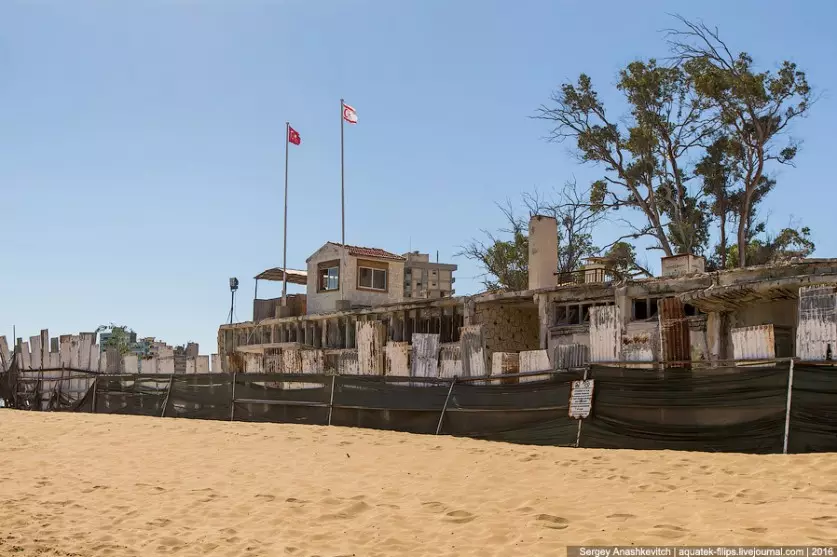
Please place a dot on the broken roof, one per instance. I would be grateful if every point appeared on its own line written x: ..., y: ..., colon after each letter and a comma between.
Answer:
x: 294, y: 276
x: 378, y: 253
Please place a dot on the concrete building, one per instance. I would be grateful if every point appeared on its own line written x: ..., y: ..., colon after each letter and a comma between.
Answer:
x: 425, y: 279
x: 343, y: 277
x: 684, y: 317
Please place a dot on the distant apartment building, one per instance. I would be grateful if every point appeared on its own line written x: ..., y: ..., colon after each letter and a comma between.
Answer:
x: 424, y: 279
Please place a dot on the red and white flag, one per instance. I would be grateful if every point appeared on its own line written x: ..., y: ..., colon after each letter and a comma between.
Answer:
x: 349, y: 114
x: 293, y: 136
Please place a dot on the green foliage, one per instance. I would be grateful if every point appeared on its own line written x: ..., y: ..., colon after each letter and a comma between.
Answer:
x: 120, y: 338
x: 789, y: 243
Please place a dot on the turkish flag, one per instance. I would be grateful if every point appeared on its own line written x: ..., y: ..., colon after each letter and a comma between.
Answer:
x: 293, y: 136
x: 349, y: 114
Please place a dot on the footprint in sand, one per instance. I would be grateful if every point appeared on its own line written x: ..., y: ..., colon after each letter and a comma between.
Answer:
x: 553, y: 522
x: 757, y: 529
x: 434, y: 506
x: 266, y: 497
x: 669, y: 531
x: 459, y: 517
x: 620, y: 517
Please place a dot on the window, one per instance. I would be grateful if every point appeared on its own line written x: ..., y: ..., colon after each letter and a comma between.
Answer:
x: 328, y: 276
x: 644, y: 308
x: 373, y: 279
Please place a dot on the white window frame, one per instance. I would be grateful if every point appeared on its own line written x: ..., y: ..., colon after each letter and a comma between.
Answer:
x: 372, y: 276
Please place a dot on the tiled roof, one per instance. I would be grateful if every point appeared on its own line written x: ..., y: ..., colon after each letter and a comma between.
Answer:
x: 378, y: 253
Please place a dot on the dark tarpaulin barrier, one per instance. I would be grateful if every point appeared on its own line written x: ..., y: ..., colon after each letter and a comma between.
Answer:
x: 282, y: 398
x: 141, y: 395
x: 813, y: 422
x: 736, y: 409
x: 201, y: 396
x: 733, y: 409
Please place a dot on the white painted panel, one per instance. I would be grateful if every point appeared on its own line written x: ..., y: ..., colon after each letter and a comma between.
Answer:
x: 54, y: 360
x: 753, y: 343
x: 312, y: 361
x: 816, y: 332
x: 93, y: 364
x: 347, y: 363
x: 605, y: 334
x: 217, y: 366
x: 65, y: 348
x: 103, y: 362
x: 130, y: 364
x: 85, y: 342
x: 397, y: 358
x: 450, y: 360
x: 472, y: 341
x: 370, y: 337
x: 425, y: 351
x: 190, y: 366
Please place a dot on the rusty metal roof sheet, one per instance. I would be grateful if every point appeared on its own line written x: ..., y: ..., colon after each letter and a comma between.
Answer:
x: 294, y: 276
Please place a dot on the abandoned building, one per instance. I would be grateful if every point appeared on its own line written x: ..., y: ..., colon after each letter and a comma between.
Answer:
x: 686, y: 315
x: 426, y: 279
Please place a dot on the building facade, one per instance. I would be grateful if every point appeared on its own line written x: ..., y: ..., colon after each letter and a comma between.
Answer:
x: 343, y: 277
x: 425, y: 279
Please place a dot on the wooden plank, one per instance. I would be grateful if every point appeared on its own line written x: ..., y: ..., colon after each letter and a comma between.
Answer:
x: 74, y: 346
x: 95, y: 354
x: 370, y: 347
x: 37, y: 354
x: 675, y: 343
x: 571, y: 356
x: 103, y: 362
x: 65, y: 349
x: 425, y: 355
x: 86, y: 340
x: 25, y: 361
x: 397, y: 358
x: 450, y: 360
x: 165, y: 366
x: 45, y: 358
x: 130, y: 363
x: 191, y: 366
x: 5, y: 355
x: 147, y: 365
x: 753, y: 343
x: 202, y: 364
x: 54, y: 360
x: 472, y: 341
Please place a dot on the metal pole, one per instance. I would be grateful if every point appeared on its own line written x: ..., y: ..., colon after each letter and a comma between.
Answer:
x: 445, y: 407
x: 342, y: 200
x: 232, y: 399
x: 788, y: 408
x: 285, y: 233
x: 95, y: 383
x: 331, y: 400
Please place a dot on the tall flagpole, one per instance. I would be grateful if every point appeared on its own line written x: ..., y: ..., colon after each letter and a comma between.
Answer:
x: 285, y: 234
x: 342, y: 195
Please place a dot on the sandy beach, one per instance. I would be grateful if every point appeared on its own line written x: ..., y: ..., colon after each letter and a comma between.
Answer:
x: 95, y: 485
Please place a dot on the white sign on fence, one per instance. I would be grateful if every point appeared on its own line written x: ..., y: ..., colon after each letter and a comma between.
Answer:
x: 581, y: 399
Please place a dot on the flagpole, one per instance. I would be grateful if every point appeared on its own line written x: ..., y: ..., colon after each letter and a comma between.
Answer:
x: 285, y: 233
x: 342, y: 195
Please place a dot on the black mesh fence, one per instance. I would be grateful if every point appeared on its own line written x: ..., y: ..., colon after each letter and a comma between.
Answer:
x: 731, y: 409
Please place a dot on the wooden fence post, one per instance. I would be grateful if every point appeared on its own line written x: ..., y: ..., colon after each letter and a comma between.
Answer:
x: 445, y: 407
x: 95, y: 384
x: 331, y: 400
x: 168, y: 394
x: 788, y: 408
x: 232, y: 400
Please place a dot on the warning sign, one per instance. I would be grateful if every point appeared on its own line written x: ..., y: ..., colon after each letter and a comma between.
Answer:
x: 581, y: 399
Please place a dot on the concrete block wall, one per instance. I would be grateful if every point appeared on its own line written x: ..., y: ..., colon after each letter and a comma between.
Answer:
x: 508, y: 328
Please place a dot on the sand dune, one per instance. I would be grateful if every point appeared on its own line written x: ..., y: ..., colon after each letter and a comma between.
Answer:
x: 76, y: 484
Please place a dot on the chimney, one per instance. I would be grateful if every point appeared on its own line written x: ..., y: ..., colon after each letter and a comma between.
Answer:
x: 543, y: 252
x: 681, y: 265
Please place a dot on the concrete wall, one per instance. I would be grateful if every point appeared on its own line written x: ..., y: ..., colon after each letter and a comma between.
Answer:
x: 543, y: 252
x: 321, y: 302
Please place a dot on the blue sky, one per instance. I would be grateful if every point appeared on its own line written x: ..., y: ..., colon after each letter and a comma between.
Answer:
x: 141, y: 143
